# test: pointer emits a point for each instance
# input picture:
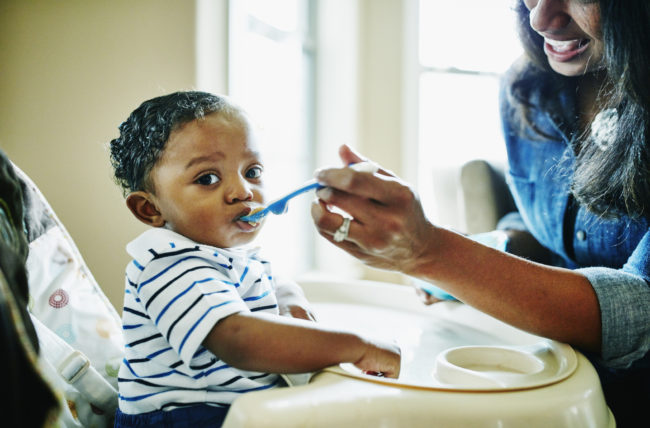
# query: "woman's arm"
(548, 301)
(390, 231)
(268, 343)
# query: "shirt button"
(581, 235)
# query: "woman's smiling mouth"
(565, 50)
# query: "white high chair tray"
(460, 367)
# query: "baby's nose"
(239, 190)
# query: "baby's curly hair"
(144, 134)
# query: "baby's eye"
(254, 172)
(207, 179)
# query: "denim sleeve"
(624, 301)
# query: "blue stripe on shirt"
(179, 295)
(243, 275)
(162, 272)
(212, 370)
(261, 296)
(161, 351)
(153, 376)
(234, 284)
(228, 266)
(169, 283)
(216, 292)
(140, 397)
(181, 316)
(143, 396)
(191, 329)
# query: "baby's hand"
(381, 358)
(300, 312)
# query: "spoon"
(280, 205)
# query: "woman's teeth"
(561, 46)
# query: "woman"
(576, 119)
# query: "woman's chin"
(578, 66)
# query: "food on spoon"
(252, 222)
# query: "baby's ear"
(144, 209)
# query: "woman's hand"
(389, 229)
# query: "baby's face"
(208, 177)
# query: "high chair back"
(78, 329)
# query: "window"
(463, 48)
(271, 62)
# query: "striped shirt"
(176, 291)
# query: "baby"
(203, 316)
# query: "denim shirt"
(614, 255)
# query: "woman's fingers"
(366, 242)
(376, 187)
(391, 203)
(349, 155)
(358, 207)
(328, 222)
(380, 187)
(389, 229)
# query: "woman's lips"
(564, 50)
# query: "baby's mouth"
(252, 223)
(246, 212)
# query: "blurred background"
(412, 84)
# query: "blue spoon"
(279, 206)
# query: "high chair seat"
(79, 330)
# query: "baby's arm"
(268, 343)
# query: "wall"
(70, 72)
(381, 81)
(382, 93)
(360, 99)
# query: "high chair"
(460, 367)
(79, 330)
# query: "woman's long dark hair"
(614, 181)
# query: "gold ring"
(342, 232)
